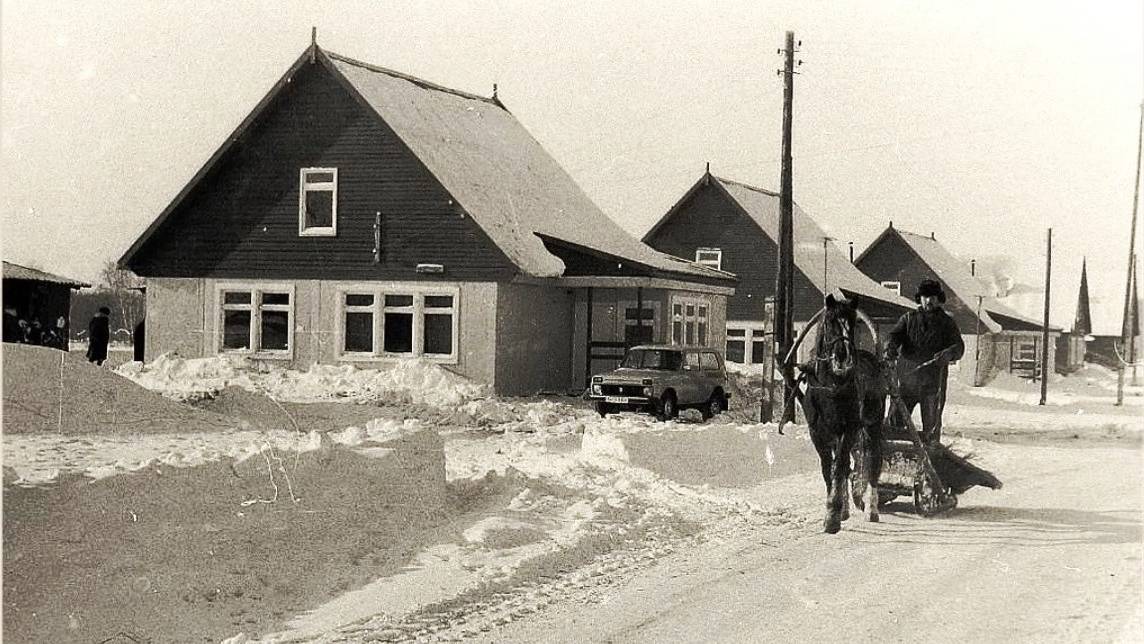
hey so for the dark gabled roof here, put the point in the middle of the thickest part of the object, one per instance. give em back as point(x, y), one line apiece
point(762, 206)
point(485, 159)
point(17, 272)
point(956, 276)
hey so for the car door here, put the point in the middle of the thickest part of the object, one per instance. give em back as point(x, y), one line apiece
point(692, 381)
point(712, 374)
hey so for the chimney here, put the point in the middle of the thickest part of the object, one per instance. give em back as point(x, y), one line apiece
point(931, 236)
point(851, 252)
point(973, 267)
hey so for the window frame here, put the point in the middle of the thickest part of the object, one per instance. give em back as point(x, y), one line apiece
point(303, 188)
point(751, 332)
point(698, 323)
point(653, 322)
point(418, 309)
point(716, 263)
point(256, 308)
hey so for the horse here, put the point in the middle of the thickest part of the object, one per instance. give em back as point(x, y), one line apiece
point(845, 403)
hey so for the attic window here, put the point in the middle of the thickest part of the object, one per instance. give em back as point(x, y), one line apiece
point(896, 287)
point(318, 202)
point(712, 257)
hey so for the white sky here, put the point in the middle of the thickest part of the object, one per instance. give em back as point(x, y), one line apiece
point(984, 122)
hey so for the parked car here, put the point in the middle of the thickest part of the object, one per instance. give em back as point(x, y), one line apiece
point(662, 380)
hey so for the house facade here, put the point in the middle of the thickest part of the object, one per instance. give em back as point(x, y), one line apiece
point(997, 337)
point(733, 226)
point(363, 216)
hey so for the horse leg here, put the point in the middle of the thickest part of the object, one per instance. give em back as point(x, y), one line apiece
point(872, 464)
point(841, 472)
point(824, 445)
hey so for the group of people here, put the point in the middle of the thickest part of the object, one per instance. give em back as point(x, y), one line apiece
point(34, 331)
point(20, 330)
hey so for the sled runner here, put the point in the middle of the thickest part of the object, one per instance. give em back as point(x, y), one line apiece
point(929, 472)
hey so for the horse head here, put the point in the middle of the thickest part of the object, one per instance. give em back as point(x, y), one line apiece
point(836, 345)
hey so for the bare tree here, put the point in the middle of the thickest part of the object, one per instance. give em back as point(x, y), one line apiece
point(122, 286)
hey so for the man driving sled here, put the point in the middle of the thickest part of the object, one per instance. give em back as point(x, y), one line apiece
point(927, 339)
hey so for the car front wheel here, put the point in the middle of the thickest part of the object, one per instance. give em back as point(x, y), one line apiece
point(714, 407)
point(668, 407)
point(603, 408)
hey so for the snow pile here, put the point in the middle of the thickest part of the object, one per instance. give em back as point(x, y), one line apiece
point(519, 416)
point(1092, 384)
point(42, 458)
point(403, 382)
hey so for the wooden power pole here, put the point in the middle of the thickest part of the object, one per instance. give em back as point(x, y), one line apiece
point(784, 279)
point(1045, 367)
point(1125, 330)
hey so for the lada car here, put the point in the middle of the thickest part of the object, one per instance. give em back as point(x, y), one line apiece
point(662, 380)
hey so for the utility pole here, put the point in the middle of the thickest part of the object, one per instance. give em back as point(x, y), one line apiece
point(1125, 331)
point(784, 280)
point(1045, 327)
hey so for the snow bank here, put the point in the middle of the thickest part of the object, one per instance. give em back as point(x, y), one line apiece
point(404, 381)
point(1091, 384)
point(42, 458)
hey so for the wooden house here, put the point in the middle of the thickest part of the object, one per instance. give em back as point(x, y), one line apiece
point(31, 294)
point(997, 337)
point(733, 226)
point(362, 216)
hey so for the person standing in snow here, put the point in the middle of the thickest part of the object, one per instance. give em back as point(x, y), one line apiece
point(927, 339)
point(98, 335)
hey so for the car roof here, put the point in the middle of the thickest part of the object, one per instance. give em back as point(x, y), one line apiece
point(673, 347)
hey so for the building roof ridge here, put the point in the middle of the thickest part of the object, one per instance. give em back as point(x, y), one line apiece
point(420, 82)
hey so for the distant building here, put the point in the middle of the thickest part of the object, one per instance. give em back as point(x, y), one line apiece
point(31, 294)
point(733, 226)
point(361, 216)
point(997, 337)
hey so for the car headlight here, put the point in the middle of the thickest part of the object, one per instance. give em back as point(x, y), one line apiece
point(597, 389)
point(647, 391)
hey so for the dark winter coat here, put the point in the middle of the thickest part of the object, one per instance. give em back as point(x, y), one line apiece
point(98, 333)
point(918, 337)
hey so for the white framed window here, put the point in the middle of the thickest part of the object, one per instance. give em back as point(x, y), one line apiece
point(255, 318)
point(397, 321)
point(712, 257)
point(689, 321)
point(318, 202)
point(748, 343)
point(896, 287)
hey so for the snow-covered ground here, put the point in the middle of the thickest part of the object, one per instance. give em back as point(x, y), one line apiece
point(578, 487)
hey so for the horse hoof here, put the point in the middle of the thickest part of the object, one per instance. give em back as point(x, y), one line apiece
point(845, 515)
point(873, 518)
point(832, 526)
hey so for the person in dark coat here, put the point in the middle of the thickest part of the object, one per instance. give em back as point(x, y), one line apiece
point(927, 336)
point(98, 335)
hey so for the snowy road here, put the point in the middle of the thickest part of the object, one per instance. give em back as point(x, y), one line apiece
point(1054, 556)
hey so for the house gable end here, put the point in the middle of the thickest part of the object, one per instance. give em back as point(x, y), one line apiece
point(709, 217)
point(239, 216)
point(890, 258)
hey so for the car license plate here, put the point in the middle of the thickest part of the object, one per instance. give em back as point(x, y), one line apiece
point(616, 399)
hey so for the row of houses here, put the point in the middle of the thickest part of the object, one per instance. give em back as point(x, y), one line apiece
point(360, 215)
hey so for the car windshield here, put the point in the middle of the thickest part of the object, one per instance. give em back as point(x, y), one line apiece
point(653, 359)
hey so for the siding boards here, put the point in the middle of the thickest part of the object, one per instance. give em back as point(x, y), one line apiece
point(242, 219)
point(892, 260)
point(711, 219)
